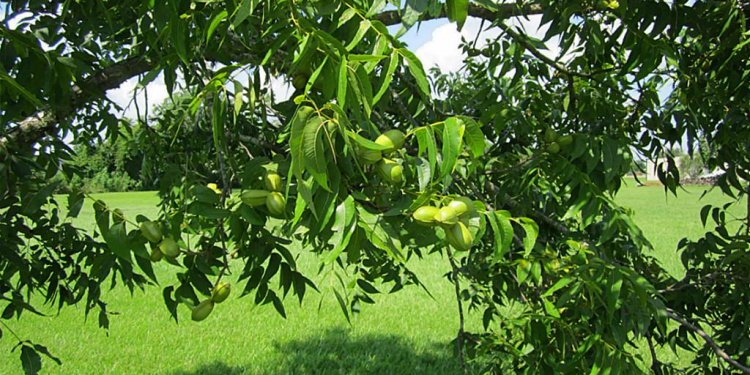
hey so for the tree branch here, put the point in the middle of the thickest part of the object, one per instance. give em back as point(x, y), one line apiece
point(709, 340)
point(44, 122)
point(502, 12)
point(461, 332)
point(36, 126)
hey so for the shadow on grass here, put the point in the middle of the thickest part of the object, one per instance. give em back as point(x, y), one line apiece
point(336, 352)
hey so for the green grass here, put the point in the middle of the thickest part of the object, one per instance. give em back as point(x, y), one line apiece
point(407, 332)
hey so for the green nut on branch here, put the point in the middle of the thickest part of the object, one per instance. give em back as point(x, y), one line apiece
point(447, 215)
point(392, 139)
point(460, 206)
point(220, 292)
point(459, 236)
point(151, 231)
point(425, 215)
point(276, 204)
point(203, 310)
point(156, 255)
point(391, 171)
point(370, 156)
point(550, 135)
point(168, 247)
point(272, 180)
point(553, 148)
point(565, 140)
point(254, 198)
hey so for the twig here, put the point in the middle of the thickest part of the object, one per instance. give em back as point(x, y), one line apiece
point(461, 333)
point(521, 39)
point(654, 360)
point(709, 340)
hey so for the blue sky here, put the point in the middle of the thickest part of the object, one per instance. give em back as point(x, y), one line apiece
point(435, 42)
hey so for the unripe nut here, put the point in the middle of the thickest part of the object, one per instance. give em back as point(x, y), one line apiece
point(553, 148)
point(169, 247)
point(565, 140)
point(391, 171)
point(203, 310)
point(446, 216)
point(392, 139)
point(254, 198)
point(459, 206)
point(276, 204)
point(272, 181)
point(370, 156)
point(156, 255)
point(220, 292)
point(425, 215)
point(550, 136)
point(151, 231)
point(459, 236)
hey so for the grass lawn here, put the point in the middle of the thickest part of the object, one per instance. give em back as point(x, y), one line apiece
point(404, 333)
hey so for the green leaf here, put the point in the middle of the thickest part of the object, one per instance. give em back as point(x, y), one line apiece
point(362, 89)
point(238, 98)
point(21, 90)
point(215, 21)
point(342, 304)
point(474, 137)
point(344, 225)
point(427, 144)
point(178, 33)
point(387, 77)
point(43, 350)
point(532, 231)
point(506, 229)
point(413, 9)
point(314, 76)
point(457, 11)
point(243, 11)
point(341, 91)
point(366, 58)
point(453, 133)
point(562, 283)
point(297, 125)
point(313, 152)
point(424, 173)
point(346, 16)
point(416, 70)
point(364, 26)
point(117, 240)
point(30, 360)
point(502, 231)
point(550, 309)
point(364, 142)
point(206, 210)
point(380, 233)
point(614, 286)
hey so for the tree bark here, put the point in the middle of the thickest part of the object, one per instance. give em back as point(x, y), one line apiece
point(709, 340)
point(503, 11)
point(44, 122)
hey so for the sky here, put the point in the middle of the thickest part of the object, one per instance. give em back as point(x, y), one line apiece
point(435, 42)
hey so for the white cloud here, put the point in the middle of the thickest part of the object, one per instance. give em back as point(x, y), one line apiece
point(123, 96)
point(443, 51)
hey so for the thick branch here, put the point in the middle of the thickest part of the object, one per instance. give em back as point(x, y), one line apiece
point(503, 11)
point(45, 121)
point(709, 340)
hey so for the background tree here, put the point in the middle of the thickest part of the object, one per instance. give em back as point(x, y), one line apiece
point(534, 147)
